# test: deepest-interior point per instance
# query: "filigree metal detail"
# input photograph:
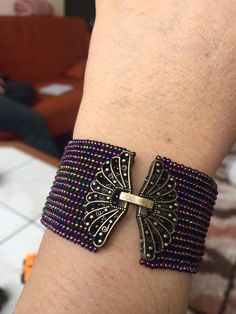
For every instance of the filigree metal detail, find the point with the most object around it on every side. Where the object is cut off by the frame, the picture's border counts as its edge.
(103, 207)
(157, 224)
(110, 195)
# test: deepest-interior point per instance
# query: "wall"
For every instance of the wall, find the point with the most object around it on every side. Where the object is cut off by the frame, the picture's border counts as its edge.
(7, 7)
(58, 5)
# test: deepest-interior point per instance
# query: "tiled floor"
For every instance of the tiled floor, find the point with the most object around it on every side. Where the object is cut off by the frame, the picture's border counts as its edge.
(24, 184)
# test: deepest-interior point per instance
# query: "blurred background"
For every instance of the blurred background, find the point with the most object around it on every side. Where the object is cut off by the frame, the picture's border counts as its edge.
(43, 53)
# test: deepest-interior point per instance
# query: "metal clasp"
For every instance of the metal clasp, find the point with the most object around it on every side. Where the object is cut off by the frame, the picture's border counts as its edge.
(137, 200)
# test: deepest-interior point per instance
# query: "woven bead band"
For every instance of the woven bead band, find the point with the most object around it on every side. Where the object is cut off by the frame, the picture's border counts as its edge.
(176, 227)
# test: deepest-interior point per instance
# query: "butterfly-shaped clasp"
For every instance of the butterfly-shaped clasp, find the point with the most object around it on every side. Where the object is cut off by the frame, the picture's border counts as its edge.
(111, 193)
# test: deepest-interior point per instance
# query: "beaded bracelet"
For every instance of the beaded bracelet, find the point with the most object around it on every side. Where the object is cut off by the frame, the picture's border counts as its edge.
(92, 192)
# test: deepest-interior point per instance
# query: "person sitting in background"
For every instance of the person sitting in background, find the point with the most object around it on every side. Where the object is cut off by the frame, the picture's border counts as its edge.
(33, 7)
(16, 116)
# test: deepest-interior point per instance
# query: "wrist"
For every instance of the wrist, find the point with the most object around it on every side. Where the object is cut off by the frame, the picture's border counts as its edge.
(166, 88)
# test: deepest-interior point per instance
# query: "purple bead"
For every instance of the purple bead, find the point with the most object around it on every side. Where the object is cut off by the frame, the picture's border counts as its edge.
(64, 211)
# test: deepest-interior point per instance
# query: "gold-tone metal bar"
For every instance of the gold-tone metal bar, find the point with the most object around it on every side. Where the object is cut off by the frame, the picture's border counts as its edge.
(137, 200)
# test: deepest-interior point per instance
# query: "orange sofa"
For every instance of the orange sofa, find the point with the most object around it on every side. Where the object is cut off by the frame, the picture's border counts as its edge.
(45, 50)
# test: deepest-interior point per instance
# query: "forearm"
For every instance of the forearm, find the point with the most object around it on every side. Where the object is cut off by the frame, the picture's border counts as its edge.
(156, 84)
(166, 76)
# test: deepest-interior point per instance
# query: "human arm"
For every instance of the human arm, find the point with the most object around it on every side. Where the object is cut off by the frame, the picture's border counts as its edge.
(160, 80)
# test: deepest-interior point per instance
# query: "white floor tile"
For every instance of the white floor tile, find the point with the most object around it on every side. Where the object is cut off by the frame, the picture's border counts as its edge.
(38, 222)
(12, 253)
(12, 158)
(10, 222)
(26, 188)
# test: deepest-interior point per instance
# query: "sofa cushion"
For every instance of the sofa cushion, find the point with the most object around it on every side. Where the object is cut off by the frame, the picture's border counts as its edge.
(60, 111)
(41, 48)
(77, 70)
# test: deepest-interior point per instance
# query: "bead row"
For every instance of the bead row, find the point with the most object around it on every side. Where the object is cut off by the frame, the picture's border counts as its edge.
(64, 210)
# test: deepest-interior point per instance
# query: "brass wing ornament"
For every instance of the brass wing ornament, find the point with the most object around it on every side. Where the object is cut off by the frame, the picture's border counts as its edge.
(111, 193)
(103, 206)
(158, 223)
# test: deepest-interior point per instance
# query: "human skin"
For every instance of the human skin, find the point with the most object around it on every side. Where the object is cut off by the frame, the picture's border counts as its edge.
(160, 80)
